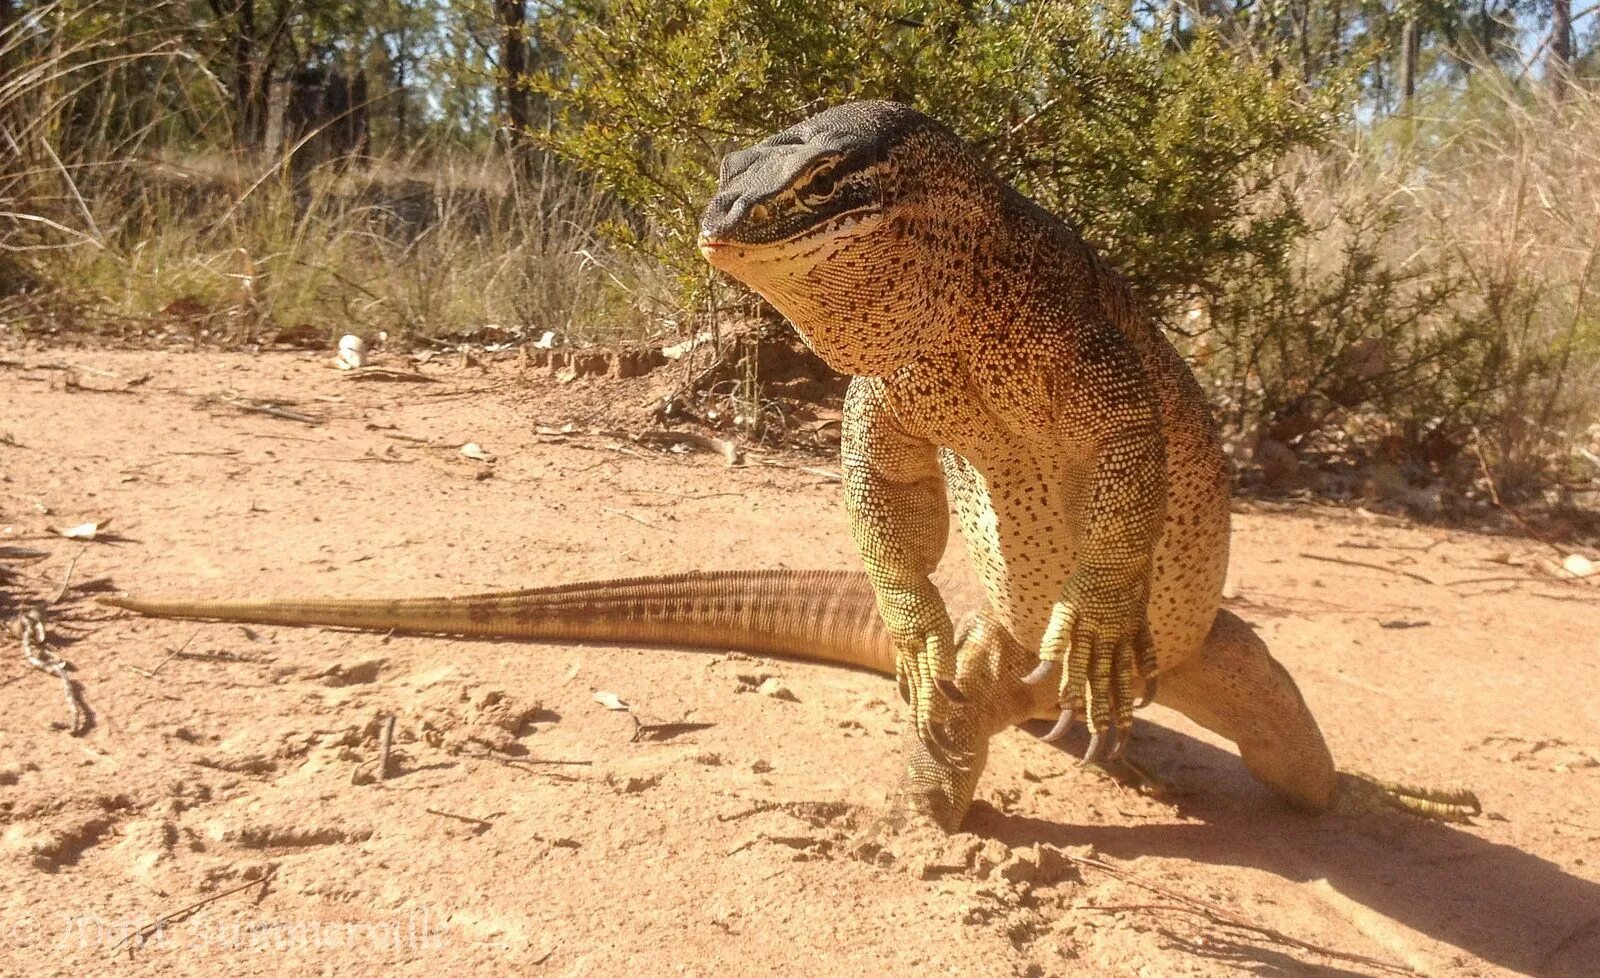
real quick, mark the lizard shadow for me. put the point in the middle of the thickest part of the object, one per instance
(1492, 900)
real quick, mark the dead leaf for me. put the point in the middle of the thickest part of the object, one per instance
(1578, 565)
(83, 531)
(610, 701)
(473, 450)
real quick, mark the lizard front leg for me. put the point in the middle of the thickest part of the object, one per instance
(894, 494)
(1107, 417)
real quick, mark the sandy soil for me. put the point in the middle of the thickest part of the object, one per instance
(527, 827)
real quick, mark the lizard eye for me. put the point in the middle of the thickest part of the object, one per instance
(820, 186)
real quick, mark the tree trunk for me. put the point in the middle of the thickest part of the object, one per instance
(1410, 47)
(249, 86)
(1559, 67)
(250, 82)
(514, 95)
(514, 68)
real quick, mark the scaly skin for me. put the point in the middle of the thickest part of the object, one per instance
(815, 616)
(998, 359)
(818, 616)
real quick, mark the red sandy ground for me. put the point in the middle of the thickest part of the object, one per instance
(529, 830)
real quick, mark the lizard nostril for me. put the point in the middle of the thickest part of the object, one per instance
(722, 212)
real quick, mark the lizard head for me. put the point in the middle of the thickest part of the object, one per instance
(837, 221)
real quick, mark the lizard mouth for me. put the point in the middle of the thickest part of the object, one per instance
(809, 240)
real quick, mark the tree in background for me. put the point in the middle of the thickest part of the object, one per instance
(1340, 206)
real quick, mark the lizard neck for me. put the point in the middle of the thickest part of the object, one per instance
(925, 285)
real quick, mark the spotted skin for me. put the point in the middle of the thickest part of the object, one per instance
(1000, 362)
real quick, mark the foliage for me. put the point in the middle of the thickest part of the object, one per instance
(1443, 297)
(1156, 150)
(127, 200)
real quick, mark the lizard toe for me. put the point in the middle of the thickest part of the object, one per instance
(1043, 671)
(1063, 724)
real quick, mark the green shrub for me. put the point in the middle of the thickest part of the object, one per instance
(1159, 153)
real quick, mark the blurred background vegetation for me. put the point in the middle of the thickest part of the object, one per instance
(1372, 225)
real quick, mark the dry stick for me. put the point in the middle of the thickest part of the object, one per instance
(631, 516)
(1494, 497)
(524, 765)
(385, 744)
(1498, 579)
(808, 469)
(174, 654)
(66, 581)
(183, 912)
(1361, 563)
(482, 823)
(273, 410)
(1228, 918)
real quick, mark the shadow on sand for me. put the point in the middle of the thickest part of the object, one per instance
(1492, 901)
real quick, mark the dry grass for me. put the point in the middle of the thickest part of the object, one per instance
(1443, 302)
(122, 215)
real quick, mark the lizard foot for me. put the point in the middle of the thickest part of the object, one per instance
(1095, 663)
(1359, 793)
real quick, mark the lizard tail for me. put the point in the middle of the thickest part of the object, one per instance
(822, 616)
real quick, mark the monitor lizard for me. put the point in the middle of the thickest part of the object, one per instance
(999, 365)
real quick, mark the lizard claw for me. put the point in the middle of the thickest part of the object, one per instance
(1098, 740)
(1121, 746)
(936, 737)
(1044, 670)
(948, 688)
(1063, 724)
(1149, 694)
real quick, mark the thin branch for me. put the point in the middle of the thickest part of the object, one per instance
(1228, 918)
(1361, 563)
(66, 580)
(183, 913)
(1494, 496)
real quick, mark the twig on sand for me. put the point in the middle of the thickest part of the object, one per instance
(1494, 496)
(182, 913)
(481, 825)
(1227, 918)
(66, 580)
(632, 516)
(385, 746)
(175, 653)
(1370, 566)
(273, 410)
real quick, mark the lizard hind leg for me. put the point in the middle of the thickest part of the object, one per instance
(1234, 687)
